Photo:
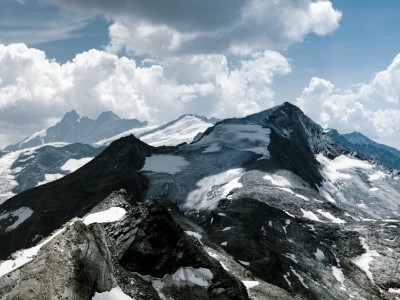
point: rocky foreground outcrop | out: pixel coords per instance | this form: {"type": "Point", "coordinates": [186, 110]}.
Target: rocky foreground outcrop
{"type": "Point", "coordinates": [146, 254]}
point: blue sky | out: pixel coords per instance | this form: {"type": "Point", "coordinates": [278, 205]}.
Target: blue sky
{"type": "Point", "coordinates": [335, 59]}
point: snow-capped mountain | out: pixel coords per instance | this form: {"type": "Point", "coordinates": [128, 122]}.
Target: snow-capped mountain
{"type": "Point", "coordinates": [29, 167]}
{"type": "Point", "coordinates": [24, 169]}
{"type": "Point", "coordinates": [182, 130]}
{"type": "Point", "coordinates": [263, 207]}
{"type": "Point", "coordinates": [76, 129]}
{"type": "Point", "coordinates": [385, 155]}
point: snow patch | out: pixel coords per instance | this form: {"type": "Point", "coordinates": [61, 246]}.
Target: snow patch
{"type": "Point", "coordinates": [319, 255]}
{"type": "Point", "coordinates": [245, 263]}
{"type": "Point", "coordinates": [329, 216]}
{"type": "Point", "coordinates": [336, 170]}
{"type": "Point", "coordinates": [164, 163]}
{"type": "Point", "coordinates": [394, 291]}
{"type": "Point", "coordinates": [293, 193]}
{"type": "Point", "coordinates": [365, 259]}
{"type": "Point", "coordinates": [7, 177]}
{"type": "Point", "coordinates": [224, 244]}
{"type": "Point", "coordinates": [277, 180]}
{"type": "Point", "coordinates": [115, 294]}
{"type": "Point", "coordinates": [250, 283]}
{"type": "Point", "coordinates": [376, 176]}
{"type": "Point", "coordinates": [292, 257]}
{"type": "Point", "coordinates": [301, 279]}
{"type": "Point", "coordinates": [338, 274]}
{"type": "Point", "coordinates": [196, 235]}
{"type": "Point", "coordinates": [227, 228]}
{"type": "Point", "coordinates": [213, 188]}
{"type": "Point", "coordinates": [72, 164]}
{"type": "Point", "coordinates": [22, 257]}
{"type": "Point", "coordinates": [310, 215]}
{"type": "Point", "coordinates": [49, 178]}
{"type": "Point", "coordinates": [184, 276]}
{"type": "Point", "coordinates": [112, 214]}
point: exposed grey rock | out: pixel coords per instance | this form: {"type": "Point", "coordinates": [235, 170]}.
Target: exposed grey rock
{"type": "Point", "coordinates": [72, 266]}
{"type": "Point", "coordinates": [149, 242]}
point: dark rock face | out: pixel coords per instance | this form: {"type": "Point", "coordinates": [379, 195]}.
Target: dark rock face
{"type": "Point", "coordinates": [160, 245]}
{"type": "Point", "coordinates": [56, 203]}
{"type": "Point", "coordinates": [150, 242]}
{"type": "Point", "coordinates": [75, 129]}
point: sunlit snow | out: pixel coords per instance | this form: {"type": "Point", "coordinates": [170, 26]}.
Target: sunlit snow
{"type": "Point", "coordinates": [198, 236]}
{"type": "Point", "coordinates": [112, 214]}
{"type": "Point", "coordinates": [183, 130]}
{"type": "Point", "coordinates": [72, 164]}
{"type": "Point", "coordinates": [212, 188]}
{"type": "Point", "coordinates": [49, 178]}
{"type": "Point", "coordinates": [365, 259]}
{"type": "Point", "coordinates": [331, 217]}
{"type": "Point", "coordinates": [277, 180]}
{"type": "Point", "coordinates": [115, 294]}
{"type": "Point", "coordinates": [24, 256]}
{"type": "Point", "coordinates": [310, 215]}
{"type": "Point", "coordinates": [250, 283]}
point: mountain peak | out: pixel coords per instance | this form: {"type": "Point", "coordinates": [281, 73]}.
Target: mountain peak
{"type": "Point", "coordinates": [107, 115]}
{"type": "Point", "coordinates": [71, 116]}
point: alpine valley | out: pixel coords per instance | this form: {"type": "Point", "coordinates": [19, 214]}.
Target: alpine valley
{"type": "Point", "coordinates": [269, 206]}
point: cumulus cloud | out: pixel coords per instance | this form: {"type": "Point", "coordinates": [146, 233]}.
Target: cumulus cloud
{"type": "Point", "coordinates": [34, 89]}
{"type": "Point", "coordinates": [372, 108]}
{"type": "Point", "coordinates": [160, 28]}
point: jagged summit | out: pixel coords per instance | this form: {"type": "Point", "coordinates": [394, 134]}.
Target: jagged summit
{"type": "Point", "coordinates": [76, 129]}
{"type": "Point", "coordinates": [70, 116]}
{"type": "Point", "coordinates": [107, 116]}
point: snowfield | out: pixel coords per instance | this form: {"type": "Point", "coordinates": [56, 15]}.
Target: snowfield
{"type": "Point", "coordinates": [170, 164]}
{"type": "Point", "coordinates": [213, 188]}
{"type": "Point", "coordinates": [112, 214]}
{"type": "Point", "coordinates": [183, 130]}
{"type": "Point", "coordinates": [71, 165]}
{"type": "Point", "coordinates": [249, 137]}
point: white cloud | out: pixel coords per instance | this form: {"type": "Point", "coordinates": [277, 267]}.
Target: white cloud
{"type": "Point", "coordinates": [34, 90]}
{"type": "Point", "coordinates": [159, 28]}
{"type": "Point", "coordinates": [373, 108]}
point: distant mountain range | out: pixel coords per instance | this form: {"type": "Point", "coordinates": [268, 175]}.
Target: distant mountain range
{"type": "Point", "coordinates": [76, 129]}
{"type": "Point", "coordinates": [383, 154]}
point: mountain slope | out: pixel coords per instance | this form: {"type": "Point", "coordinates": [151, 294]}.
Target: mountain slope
{"type": "Point", "coordinates": [24, 169]}
{"type": "Point", "coordinates": [385, 155]}
{"type": "Point", "coordinates": [295, 206]}
{"type": "Point", "coordinates": [76, 129]}
{"type": "Point", "coordinates": [182, 130]}
{"type": "Point", "coordinates": [57, 202]}
{"type": "Point", "coordinates": [272, 192]}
